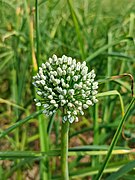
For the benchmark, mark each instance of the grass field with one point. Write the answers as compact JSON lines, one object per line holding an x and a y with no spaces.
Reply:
{"x":102,"y":143}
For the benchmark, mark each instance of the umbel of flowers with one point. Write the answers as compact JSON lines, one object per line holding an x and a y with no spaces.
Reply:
{"x":63,"y":83}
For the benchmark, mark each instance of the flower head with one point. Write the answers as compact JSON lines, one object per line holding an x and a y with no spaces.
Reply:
{"x":65,"y":83}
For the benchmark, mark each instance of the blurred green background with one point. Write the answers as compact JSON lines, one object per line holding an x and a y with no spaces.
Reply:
{"x":102,"y":32}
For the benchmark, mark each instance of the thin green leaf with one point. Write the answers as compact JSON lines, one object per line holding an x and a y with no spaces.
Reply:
{"x":111,"y":93}
{"x":20,"y":123}
{"x":105,"y":47}
{"x":122,"y":171}
{"x":115,"y":139}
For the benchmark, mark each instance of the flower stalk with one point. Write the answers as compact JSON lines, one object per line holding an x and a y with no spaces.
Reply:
{"x":64,"y":150}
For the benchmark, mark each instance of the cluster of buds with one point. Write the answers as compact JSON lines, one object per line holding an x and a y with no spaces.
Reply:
{"x":63,"y":83}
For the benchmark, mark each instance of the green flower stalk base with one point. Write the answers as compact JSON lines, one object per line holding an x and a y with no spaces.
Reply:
{"x":64,"y":150}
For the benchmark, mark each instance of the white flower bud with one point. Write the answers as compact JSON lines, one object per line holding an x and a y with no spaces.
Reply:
{"x":63,"y":102}
{"x":43,"y":77}
{"x":54,"y":57}
{"x":50,"y":60}
{"x":42,"y":82}
{"x":89,"y":102}
{"x":88,"y":83}
{"x":93,"y":76}
{"x":84,"y":71}
{"x":94,"y":92}
{"x":95,"y":100}
{"x":81,"y":112}
{"x":54,"y":73}
{"x":69,"y":61}
{"x":69,"y":70}
{"x":75,"y":86}
{"x":37,"y":82}
{"x":64,"y":92}
{"x":57,"y":62}
{"x":45,"y":105}
{"x":38,"y":104}
{"x":59,"y":71}
{"x":87,"y":93}
{"x":52,"y":77}
{"x":72,"y":73}
{"x":79,"y":103}
{"x":53,"y":102}
{"x":60,"y":61}
{"x":91,"y":80}
{"x":74,"y":62}
{"x":84,"y":86}
{"x":62,"y":80}
{"x":56,"y":105}
{"x":75,"y":78}
{"x":39,"y":93}
{"x":70,"y":105}
{"x":83,"y":65}
{"x":65,"y":118}
{"x":50,"y":97}
{"x":63,"y":84}
{"x":76,"y":102}
{"x":68,"y":78}
{"x":64,"y":72}
{"x":78,"y":67}
{"x":45,"y":88}
{"x":61,"y":96}
{"x":64,"y":67}
{"x":64,"y":59}
{"x":67,"y":85}
{"x":53,"y":94}
{"x":43,"y":66}
{"x":47,"y":64}
{"x":95,"y":85}
{"x":45,"y":111}
{"x":85,"y":106}
{"x":68,"y":112}
{"x":84,"y":78}
{"x":71,"y":120}
{"x":34,"y":77}
{"x":59,"y":89}
{"x":74,"y":112}
{"x":71,"y":91}
{"x":34,"y":83}
{"x":84,"y":95}
{"x":57,"y":81}
{"x":76,"y":119}
{"x":72,"y":67}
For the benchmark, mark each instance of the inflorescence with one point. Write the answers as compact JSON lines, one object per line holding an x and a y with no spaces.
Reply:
{"x":67,"y":84}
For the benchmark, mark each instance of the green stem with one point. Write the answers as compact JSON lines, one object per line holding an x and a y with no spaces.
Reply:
{"x":37,"y":30}
{"x":114,"y":141}
{"x":44,"y":147}
{"x":64,"y":150}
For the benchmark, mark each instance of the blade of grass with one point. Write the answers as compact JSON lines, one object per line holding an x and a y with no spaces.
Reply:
{"x":95,"y":160}
{"x":105,"y":47}
{"x":114,"y":141}
{"x":44,"y":141}
{"x":19,"y":123}
{"x":122,"y":171}
{"x":80,"y":151}
{"x":37,"y":32}
{"x":77,"y":28}
{"x":11,"y":104}
{"x":111,"y":93}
